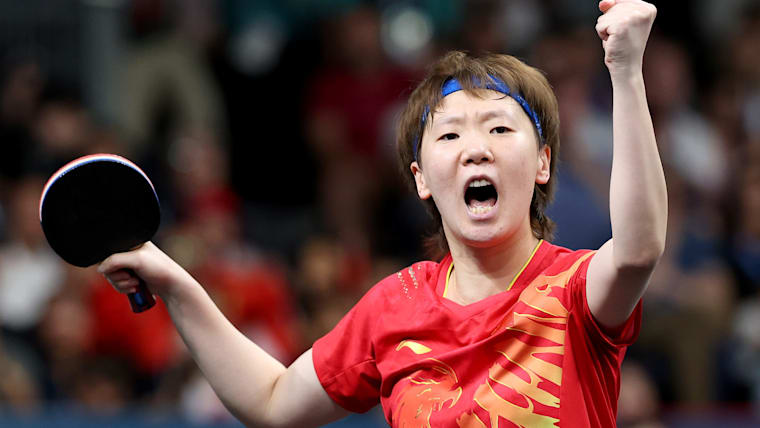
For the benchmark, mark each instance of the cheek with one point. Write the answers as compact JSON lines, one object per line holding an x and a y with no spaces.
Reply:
{"x":440,"y":171}
{"x":441,"y":186}
{"x":520,"y":173}
{"x":518,"y":182}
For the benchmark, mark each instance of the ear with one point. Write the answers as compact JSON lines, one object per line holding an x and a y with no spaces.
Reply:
{"x":543,"y":171}
{"x":419,"y":180}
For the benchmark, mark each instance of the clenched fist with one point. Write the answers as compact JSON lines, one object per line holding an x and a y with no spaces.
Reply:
{"x":624,"y":29}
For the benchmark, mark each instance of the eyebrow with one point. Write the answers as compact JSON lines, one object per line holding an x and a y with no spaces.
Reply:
{"x":492,"y":114}
{"x":448,"y":119}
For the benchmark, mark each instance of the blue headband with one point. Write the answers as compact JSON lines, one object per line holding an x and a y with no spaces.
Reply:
{"x":452,"y":85}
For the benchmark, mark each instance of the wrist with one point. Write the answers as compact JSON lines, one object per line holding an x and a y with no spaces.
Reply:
{"x":180,"y":287}
{"x":626,"y":77}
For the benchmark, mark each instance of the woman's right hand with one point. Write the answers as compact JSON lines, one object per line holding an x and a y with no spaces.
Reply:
{"x":161,"y":274}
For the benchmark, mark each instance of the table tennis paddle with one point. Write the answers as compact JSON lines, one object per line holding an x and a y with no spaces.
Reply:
{"x":98,"y":205}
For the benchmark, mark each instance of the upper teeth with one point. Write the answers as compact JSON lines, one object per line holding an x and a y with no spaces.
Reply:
{"x":480,"y":183}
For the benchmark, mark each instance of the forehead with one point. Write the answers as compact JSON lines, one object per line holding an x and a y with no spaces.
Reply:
{"x":466,"y":103}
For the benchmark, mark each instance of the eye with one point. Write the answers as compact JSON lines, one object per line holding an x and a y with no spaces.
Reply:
{"x":500,"y":130}
{"x":449,"y":136}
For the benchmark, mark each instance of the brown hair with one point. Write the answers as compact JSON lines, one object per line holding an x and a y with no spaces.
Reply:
{"x":521,"y":78}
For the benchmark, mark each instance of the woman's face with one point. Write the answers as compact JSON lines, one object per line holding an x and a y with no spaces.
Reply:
{"x":479,"y":161}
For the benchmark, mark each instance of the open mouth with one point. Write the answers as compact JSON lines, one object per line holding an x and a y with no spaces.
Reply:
{"x":480,"y":196}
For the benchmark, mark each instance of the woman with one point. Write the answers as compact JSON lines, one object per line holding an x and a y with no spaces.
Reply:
{"x":506,"y":326}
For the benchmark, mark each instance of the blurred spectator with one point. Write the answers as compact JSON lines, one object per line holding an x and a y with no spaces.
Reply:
{"x":572,"y":60}
{"x":689,"y":144}
{"x":481,"y":30}
{"x":330,"y":279}
{"x":20,"y":91}
{"x":745,"y":364}
{"x":733,"y":92}
{"x":167,"y":82}
{"x":147,"y":341}
{"x":745,"y":240}
{"x":261,"y":64}
{"x":19,"y":390}
{"x":490,"y":26}
{"x":745,"y":254}
{"x":639,"y":402}
{"x":198,"y":169}
{"x":199,"y":404}
{"x":349,"y":106}
{"x":746,"y":64}
{"x":103,"y":386}
{"x":62,"y":130}
{"x":73,"y":372}
{"x":64,"y":337}
{"x":30,"y":273}
{"x":717,"y":19}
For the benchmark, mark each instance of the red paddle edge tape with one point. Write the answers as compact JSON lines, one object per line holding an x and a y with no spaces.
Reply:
{"x":85,"y":160}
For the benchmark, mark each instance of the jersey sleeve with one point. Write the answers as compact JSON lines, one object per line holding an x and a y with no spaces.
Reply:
{"x":344,"y":358}
{"x":621,"y":336}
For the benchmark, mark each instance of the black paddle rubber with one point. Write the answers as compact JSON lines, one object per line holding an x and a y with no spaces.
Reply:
{"x":96,"y":206}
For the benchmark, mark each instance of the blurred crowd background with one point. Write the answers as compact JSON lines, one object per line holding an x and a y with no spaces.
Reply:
{"x":267,"y":128}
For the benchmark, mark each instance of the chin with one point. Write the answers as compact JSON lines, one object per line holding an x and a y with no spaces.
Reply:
{"x":483,"y":238}
{"x":486,"y":233}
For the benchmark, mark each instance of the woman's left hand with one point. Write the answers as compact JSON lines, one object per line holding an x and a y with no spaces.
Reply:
{"x":624,"y":29}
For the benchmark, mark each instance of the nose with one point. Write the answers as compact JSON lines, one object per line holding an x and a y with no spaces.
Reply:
{"x":476,"y":151}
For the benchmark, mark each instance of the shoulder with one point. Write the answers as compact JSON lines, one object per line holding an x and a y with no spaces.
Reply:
{"x":399,"y":293}
{"x":559,"y":259}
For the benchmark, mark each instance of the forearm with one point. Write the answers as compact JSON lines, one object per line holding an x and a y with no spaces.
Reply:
{"x":638,"y":196}
{"x":253,"y":385}
{"x":240,"y":372}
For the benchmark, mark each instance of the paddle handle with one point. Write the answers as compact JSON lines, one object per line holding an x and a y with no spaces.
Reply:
{"x":142,"y":299}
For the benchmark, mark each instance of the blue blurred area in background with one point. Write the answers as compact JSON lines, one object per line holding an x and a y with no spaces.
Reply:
{"x":70,"y":417}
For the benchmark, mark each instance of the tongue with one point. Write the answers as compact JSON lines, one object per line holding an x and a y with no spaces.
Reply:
{"x":486,"y":203}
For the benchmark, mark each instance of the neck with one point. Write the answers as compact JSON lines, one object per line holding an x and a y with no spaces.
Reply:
{"x":482,"y":272}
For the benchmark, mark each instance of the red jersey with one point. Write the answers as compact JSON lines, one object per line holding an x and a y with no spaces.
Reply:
{"x":531,"y":356}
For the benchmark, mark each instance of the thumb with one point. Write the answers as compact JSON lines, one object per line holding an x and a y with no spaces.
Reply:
{"x":605,"y":5}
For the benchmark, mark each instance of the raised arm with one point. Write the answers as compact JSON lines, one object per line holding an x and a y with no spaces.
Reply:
{"x":254,"y":386}
{"x":619,"y":272}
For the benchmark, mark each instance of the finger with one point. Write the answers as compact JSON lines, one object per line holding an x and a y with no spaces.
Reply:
{"x":126,"y":289}
{"x":115,"y":262}
{"x":126,"y":286}
{"x":605,"y":5}
{"x":119,"y":275}
{"x":602,"y":29}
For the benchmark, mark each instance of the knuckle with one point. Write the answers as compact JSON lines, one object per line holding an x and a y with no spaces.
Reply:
{"x":139,"y":261}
